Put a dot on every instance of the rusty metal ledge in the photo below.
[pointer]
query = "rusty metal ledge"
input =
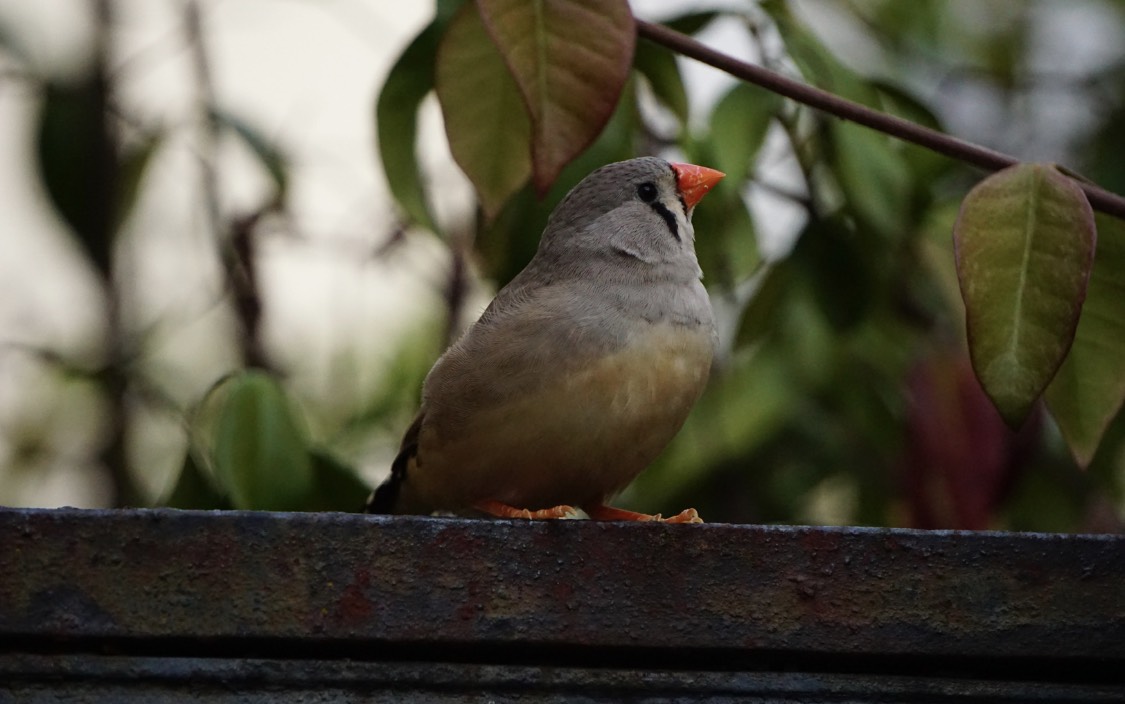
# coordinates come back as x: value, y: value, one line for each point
x: 192, y: 584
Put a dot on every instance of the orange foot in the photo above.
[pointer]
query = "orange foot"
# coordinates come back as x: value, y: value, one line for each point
x: 609, y: 513
x: 500, y: 510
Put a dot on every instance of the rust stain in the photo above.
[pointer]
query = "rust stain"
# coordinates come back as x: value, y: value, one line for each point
x: 353, y: 607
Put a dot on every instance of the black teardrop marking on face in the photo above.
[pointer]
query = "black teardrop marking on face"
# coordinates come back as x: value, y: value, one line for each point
x: 669, y: 218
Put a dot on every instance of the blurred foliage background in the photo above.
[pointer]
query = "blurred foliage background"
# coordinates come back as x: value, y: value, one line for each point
x: 842, y: 393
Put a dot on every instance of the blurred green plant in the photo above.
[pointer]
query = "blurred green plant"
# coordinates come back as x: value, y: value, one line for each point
x: 844, y: 391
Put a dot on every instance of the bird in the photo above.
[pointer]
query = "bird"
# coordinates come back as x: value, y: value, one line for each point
x: 580, y: 371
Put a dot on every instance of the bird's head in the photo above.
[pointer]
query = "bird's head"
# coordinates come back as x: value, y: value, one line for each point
x: 636, y: 211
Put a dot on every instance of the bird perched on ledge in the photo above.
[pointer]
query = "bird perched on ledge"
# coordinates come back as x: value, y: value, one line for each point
x: 581, y: 370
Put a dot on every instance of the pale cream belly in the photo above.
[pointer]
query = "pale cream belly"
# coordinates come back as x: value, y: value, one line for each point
x: 577, y: 440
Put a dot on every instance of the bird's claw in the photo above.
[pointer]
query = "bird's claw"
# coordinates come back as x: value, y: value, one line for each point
x: 688, y: 515
x: 609, y: 513
x: 502, y: 510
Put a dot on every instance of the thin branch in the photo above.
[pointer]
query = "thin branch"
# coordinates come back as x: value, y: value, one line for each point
x: 114, y: 377
x: 783, y: 193
x: 209, y: 136
x: 236, y: 239
x: 973, y: 154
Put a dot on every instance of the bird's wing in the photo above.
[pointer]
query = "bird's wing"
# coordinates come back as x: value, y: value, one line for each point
x: 534, y: 338
x: 385, y: 497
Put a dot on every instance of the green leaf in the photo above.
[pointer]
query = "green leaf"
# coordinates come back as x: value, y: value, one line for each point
x: 1089, y: 388
x: 1104, y: 149
x: 195, y: 489
x: 760, y: 317
x: 445, y: 9
x: 659, y: 67
x: 395, y: 402
x: 1024, y: 244
x: 739, y: 125
x: 260, y: 456
x: 925, y: 164
x: 874, y: 177
x: 485, y: 119
x: 838, y: 271
x: 816, y: 63
x: 396, y: 120
x: 268, y: 153
x: 725, y: 238
x: 571, y: 59
x: 336, y: 486
x: 754, y: 399
x: 77, y: 163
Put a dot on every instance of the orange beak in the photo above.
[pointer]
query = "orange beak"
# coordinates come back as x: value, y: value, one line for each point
x: 694, y: 181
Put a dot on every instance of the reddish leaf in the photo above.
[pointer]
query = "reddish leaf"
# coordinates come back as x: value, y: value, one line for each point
x: 960, y: 460
x: 485, y: 119
x: 1024, y: 243
x: 571, y: 59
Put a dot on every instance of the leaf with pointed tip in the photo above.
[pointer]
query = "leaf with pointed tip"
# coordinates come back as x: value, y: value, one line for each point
x: 1089, y: 388
x: 571, y: 59
x: 409, y: 81
x: 1024, y: 244
x: 485, y: 120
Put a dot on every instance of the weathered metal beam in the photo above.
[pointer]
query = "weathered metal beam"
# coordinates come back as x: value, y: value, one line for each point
x: 86, y: 678
x: 194, y: 583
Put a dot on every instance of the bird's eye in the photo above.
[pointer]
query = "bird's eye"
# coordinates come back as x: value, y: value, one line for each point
x: 647, y: 191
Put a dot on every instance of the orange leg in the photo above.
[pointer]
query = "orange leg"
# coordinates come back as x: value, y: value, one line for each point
x: 500, y: 510
x: 609, y: 513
